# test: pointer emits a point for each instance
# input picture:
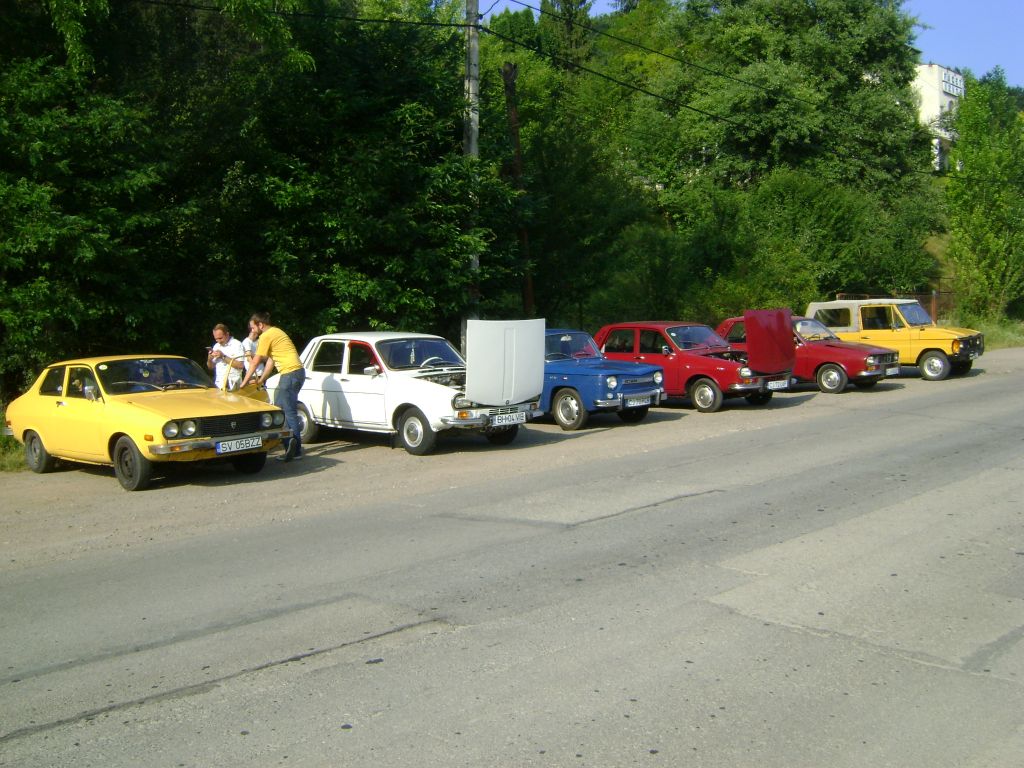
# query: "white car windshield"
(573, 345)
(150, 374)
(692, 336)
(405, 354)
(812, 330)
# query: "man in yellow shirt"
(276, 351)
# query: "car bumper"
(618, 403)
(476, 420)
(209, 445)
(770, 384)
(6, 432)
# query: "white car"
(415, 385)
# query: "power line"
(958, 177)
(609, 78)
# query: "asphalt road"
(828, 581)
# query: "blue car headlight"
(612, 382)
(659, 377)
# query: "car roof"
(654, 323)
(848, 302)
(373, 337)
(111, 358)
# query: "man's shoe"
(291, 452)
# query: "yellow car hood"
(193, 403)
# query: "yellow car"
(137, 412)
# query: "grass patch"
(1000, 334)
(12, 455)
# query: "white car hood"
(504, 361)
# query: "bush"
(12, 457)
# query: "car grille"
(973, 344)
(509, 409)
(890, 359)
(223, 426)
(639, 380)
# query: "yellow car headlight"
(171, 430)
(266, 419)
(189, 427)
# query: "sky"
(976, 35)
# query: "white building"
(939, 90)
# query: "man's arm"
(254, 363)
(268, 370)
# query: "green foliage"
(75, 202)
(986, 199)
(12, 455)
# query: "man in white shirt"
(250, 343)
(226, 358)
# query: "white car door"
(363, 400)
(322, 390)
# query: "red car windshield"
(694, 336)
(812, 330)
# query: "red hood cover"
(770, 347)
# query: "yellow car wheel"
(37, 457)
(133, 470)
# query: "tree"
(76, 204)
(985, 198)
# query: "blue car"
(579, 381)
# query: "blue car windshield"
(570, 345)
(693, 336)
(915, 314)
(150, 374)
(405, 354)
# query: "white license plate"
(778, 384)
(507, 419)
(892, 371)
(636, 402)
(242, 444)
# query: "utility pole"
(470, 141)
(471, 135)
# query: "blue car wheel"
(568, 410)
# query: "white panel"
(505, 360)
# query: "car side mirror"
(371, 370)
(666, 350)
(90, 392)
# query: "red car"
(822, 358)
(700, 364)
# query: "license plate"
(242, 444)
(778, 384)
(507, 419)
(892, 371)
(636, 402)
